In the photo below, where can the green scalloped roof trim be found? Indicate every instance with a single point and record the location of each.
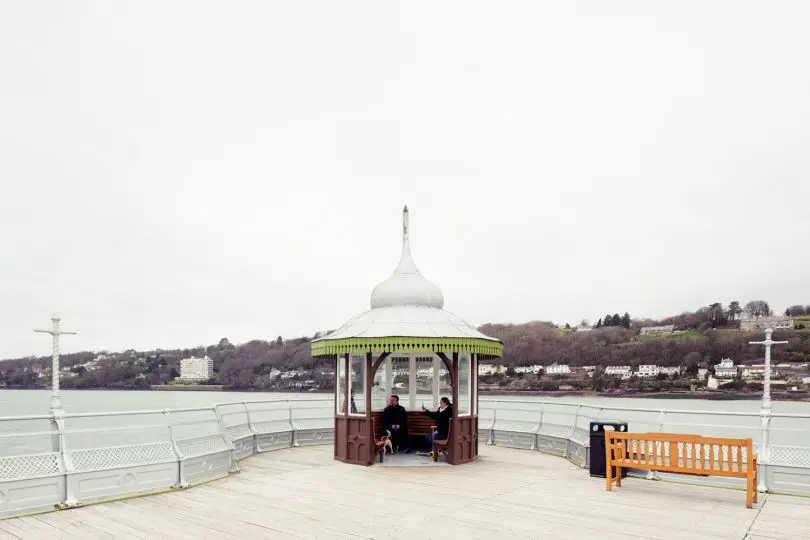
(329, 347)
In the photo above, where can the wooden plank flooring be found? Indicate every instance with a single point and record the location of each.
(303, 493)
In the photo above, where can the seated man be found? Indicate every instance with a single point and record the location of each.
(395, 420)
(442, 417)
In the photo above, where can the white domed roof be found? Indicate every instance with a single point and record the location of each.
(407, 321)
(406, 287)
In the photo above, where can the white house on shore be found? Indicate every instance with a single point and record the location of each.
(196, 369)
(528, 369)
(647, 371)
(557, 369)
(625, 372)
(490, 369)
(725, 369)
(655, 330)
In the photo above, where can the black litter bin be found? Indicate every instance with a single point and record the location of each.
(598, 465)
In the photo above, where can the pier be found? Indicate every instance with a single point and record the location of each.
(506, 493)
(265, 469)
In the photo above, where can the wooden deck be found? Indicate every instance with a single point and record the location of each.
(303, 493)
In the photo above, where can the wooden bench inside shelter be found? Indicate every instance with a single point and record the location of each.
(418, 423)
(682, 454)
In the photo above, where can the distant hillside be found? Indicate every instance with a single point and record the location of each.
(703, 338)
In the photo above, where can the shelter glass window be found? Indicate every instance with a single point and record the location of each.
(401, 367)
(357, 383)
(445, 383)
(424, 381)
(474, 384)
(340, 385)
(464, 385)
(379, 388)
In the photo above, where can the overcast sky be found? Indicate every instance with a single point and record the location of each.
(178, 172)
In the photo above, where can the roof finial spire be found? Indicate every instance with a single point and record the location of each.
(406, 246)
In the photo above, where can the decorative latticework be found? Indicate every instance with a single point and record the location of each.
(202, 446)
(791, 456)
(31, 466)
(122, 456)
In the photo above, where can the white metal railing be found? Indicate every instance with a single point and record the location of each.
(194, 444)
(787, 435)
(67, 459)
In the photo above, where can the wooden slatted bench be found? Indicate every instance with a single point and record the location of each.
(418, 423)
(682, 454)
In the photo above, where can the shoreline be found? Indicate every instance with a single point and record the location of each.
(704, 395)
(700, 395)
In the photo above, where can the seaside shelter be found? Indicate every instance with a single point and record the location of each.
(407, 345)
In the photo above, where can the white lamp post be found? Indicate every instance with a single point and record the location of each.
(56, 404)
(765, 409)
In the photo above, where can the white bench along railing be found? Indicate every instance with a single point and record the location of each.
(51, 461)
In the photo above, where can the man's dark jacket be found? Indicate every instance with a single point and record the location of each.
(395, 415)
(442, 419)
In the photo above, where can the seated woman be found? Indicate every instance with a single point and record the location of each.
(442, 417)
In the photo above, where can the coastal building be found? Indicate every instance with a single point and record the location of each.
(528, 369)
(756, 371)
(196, 369)
(755, 324)
(668, 371)
(625, 372)
(557, 369)
(725, 369)
(655, 330)
(490, 369)
(647, 371)
(702, 373)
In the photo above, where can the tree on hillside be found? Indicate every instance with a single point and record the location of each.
(787, 312)
(616, 320)
(599, 323)
(716, 314)
(626, 320)
(734, 310)
(796, 310)
(757, 308)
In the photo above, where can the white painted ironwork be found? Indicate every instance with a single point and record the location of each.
(765, 412)
(122, 456)
(31, 466)
(244, 428)
(55, 332)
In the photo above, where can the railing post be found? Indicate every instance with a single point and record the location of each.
(764, 454)
(181, 472)
(293, 428)
(60, 441)
(491, 440)
(234, 468)
(535, 431)
(252, 429)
